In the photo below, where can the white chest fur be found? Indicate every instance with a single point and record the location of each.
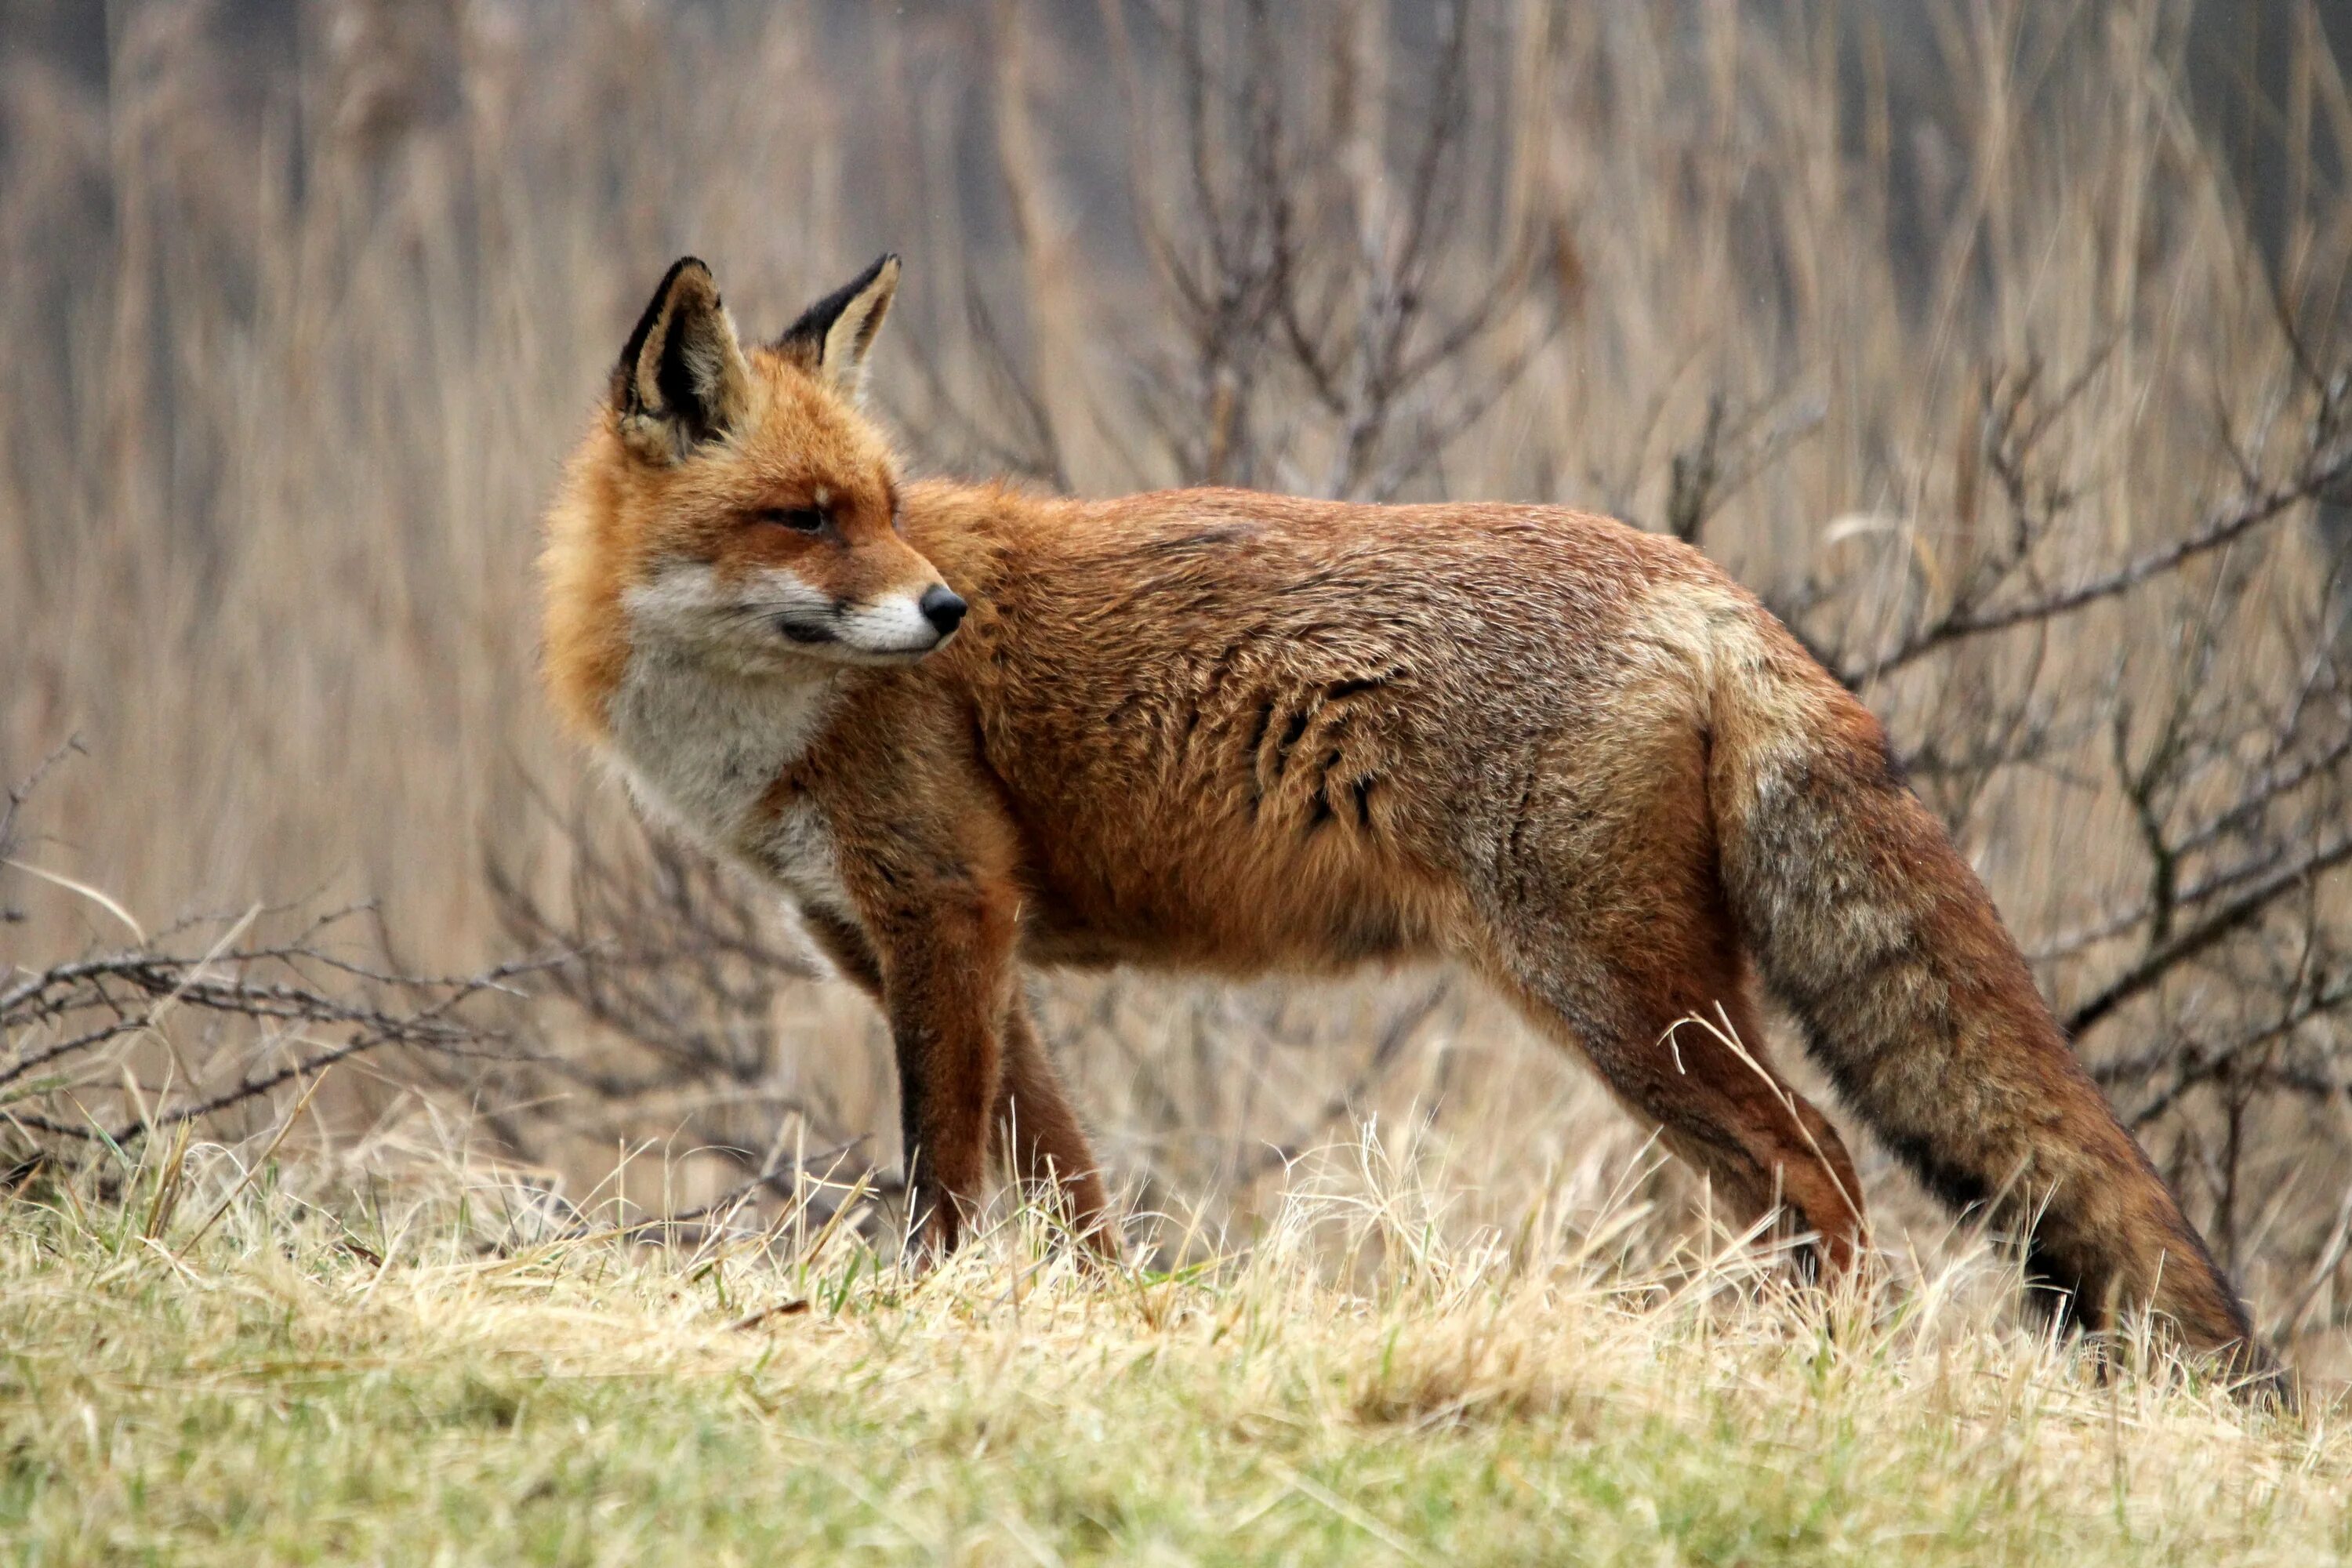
(701, 750)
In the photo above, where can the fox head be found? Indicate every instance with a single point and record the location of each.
(734, 507)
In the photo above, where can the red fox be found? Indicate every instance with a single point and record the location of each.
(966, 729)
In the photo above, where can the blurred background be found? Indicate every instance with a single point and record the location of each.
(2000, 345)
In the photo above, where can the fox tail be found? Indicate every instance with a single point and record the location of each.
(1864, 920)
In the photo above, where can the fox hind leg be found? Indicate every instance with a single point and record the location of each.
(1607, 922)
(1713, 1096)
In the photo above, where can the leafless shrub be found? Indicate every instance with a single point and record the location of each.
(205, 1023)
(1313, 327)
(692, 980)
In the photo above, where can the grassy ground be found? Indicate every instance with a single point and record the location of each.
(370, 1381)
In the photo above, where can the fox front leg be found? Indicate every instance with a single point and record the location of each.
(1039, 1134)
(947, 976)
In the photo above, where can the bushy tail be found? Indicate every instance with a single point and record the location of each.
(1867, 923)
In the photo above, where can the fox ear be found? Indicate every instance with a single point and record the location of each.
(832, 336)
(683, 380)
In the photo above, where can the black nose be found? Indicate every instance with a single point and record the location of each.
(943, 608)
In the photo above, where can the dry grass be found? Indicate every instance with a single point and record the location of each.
(424, 1373)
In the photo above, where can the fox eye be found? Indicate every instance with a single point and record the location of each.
(799, 519)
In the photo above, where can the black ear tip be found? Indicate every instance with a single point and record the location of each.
(679, 268)
(809, 331)
(623, 386)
